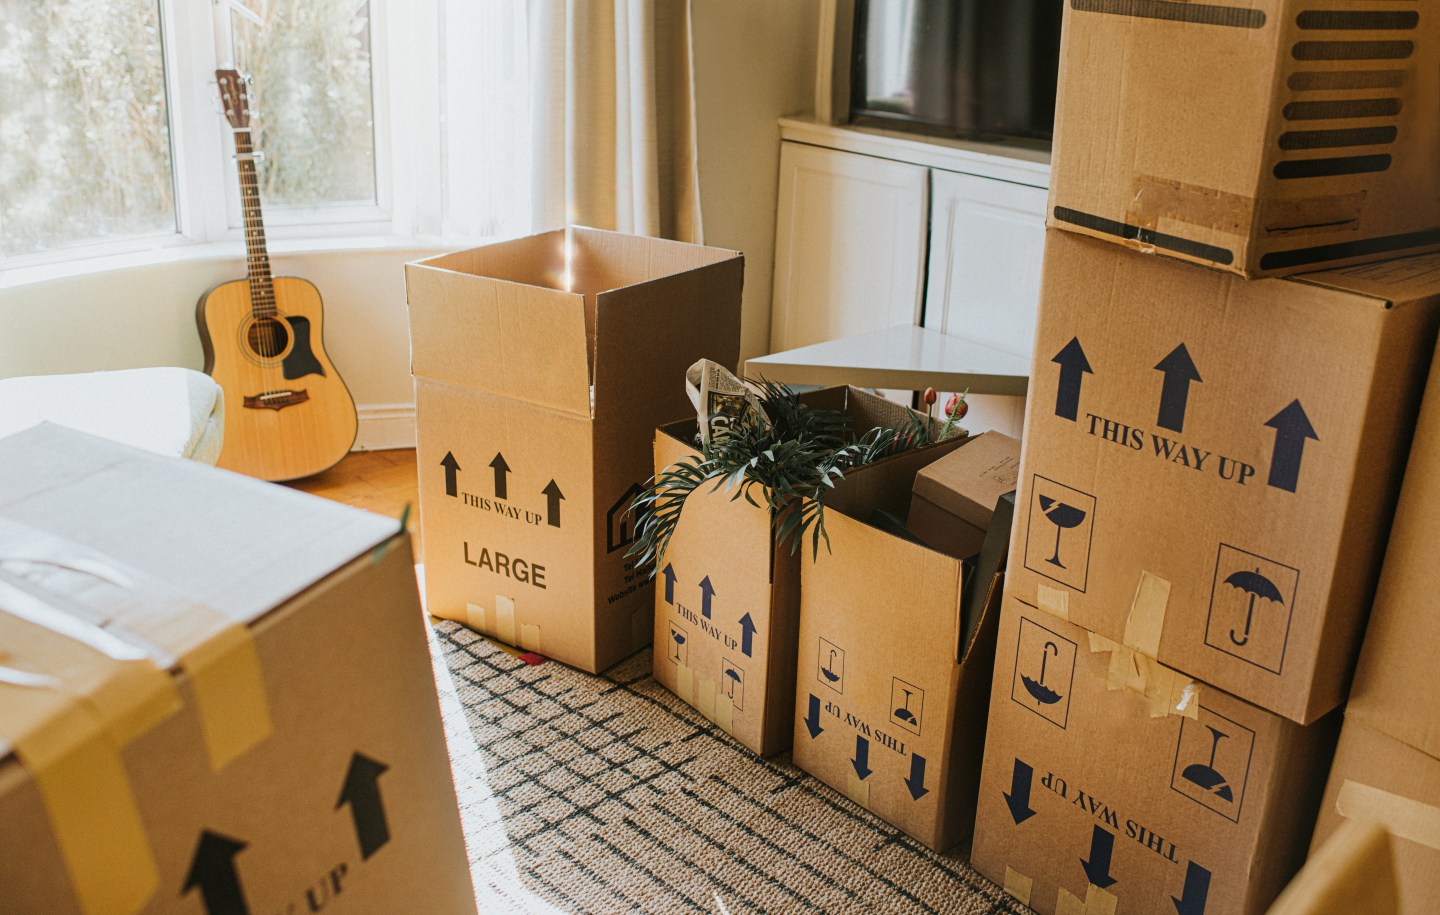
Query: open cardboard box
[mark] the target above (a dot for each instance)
(1211, 464)
(727, 595)
(542, 368)
(215, 695)
(895, 662)
(1266, 138)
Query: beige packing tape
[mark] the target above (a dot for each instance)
(1147, 615)
(98, 640)
(1018, 885)
(505, 620)
(856, 789)
(530, 637)
(1168, 692)
(724, 714)
(1096, 902)
(685, 684)
(1409, 819)
(702, 695)
(475, 618)
(705, 697)
(1053, 600)
(216, 653)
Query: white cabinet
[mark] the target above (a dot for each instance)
(850, 245)
(987, 238)
(877, 230)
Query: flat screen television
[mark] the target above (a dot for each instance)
(977, 69)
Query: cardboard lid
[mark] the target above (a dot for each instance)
(228, 541)
(968, 481)
(1394, 282)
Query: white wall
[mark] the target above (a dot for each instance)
(143, 316)
(754, 63)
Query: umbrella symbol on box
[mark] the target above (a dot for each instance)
(1256, 585)
(830, 674)
(1206, 776)
(1064, 517)
(733, 676)
(1037, 688)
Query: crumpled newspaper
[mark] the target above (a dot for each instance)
(720, 398)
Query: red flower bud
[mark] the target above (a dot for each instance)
(929, 397)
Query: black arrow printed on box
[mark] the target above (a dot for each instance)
(362, 792)
(1102, 847)
(553, 496)
(1196, 893)
(502, 487)
(213, 871)
(1179, 370)
(1073, 369)
(1018, 797)
(1292, 427)
(452, 467)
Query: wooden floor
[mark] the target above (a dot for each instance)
(379, 481)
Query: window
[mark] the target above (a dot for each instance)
(111, 137)
(84, 124)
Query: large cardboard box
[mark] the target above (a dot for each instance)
(1353, 872)
(1264, 137)
(1387, 767)
(1211, 464)
(727, 597)
(1115, 787)
(954, 498)
(542, 368)
(215, 696)
(891, 694)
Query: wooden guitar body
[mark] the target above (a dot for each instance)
(287, 412)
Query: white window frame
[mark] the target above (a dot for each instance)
(405, 95)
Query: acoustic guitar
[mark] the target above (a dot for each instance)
(287, 412)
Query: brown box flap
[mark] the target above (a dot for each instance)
(967, 482)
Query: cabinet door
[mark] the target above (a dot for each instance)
(849, 245)
(987, 240)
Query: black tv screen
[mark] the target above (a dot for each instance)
(967, 68)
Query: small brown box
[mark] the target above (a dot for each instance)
(955, 497)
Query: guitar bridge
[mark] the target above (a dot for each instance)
(276, 400)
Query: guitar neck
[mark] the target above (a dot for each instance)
(257, 256)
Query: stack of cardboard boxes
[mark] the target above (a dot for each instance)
(1210, 460)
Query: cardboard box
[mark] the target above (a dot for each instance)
(891, 695)
(954, 497)
(1387, 767)
(1353, 872)
(542, 368)
(1263, 137)
(1383, 779)
(1210, 464)
(1112, 787)
(727, 598)
(215, 696)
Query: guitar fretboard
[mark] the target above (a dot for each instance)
(257, 257)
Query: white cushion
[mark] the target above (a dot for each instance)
(171, 411)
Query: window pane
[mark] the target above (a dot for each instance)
(310, 71)
(84, 137)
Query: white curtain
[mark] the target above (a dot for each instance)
(582, 111)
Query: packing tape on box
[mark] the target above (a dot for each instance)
(215, 652)
(1166, 691)
(856, 789)
(1096, 902)
(1146, 621)
(1053, 600)
(76, 767)
(505, 620)
(1018, 885)
(1402, 816)
(1153, 198)
(685, 684)
(701, 694)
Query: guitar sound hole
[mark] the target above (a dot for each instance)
(268, 337)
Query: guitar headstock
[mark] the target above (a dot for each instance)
(235, 97)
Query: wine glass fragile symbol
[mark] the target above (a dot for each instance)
(1064, 517)
(904, 713)
(679, 640)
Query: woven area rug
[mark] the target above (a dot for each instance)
(608, 794)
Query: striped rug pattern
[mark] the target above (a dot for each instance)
(607, 794)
